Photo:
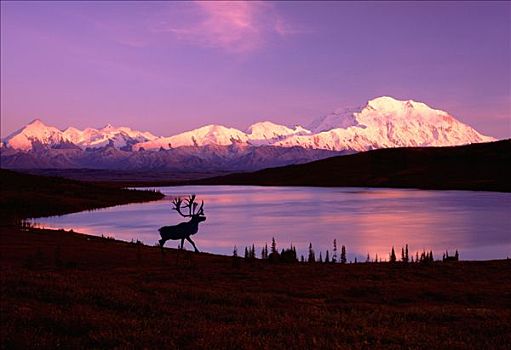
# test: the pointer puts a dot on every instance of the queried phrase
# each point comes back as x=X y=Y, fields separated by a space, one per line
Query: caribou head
x=187 y=208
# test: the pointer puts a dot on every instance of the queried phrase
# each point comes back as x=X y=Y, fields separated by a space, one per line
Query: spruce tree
x=392 y=256
x=235 y=260
x=327 y=257
x=343 y=255
x=406 y=253
x=246 y=253
x=368 y=259
x=334 y=255
x=273 y=245
x=312 y=257
x=320 y=258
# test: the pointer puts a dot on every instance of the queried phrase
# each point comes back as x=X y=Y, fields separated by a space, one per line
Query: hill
x=485 y=166
x=25 y=195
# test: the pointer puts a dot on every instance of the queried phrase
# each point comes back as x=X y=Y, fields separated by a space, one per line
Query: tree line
x=289 y=255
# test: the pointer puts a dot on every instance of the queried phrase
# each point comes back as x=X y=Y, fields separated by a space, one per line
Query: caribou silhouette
x=184 y=230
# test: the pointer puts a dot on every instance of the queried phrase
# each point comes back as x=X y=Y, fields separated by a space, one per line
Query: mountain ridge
x=383 y=122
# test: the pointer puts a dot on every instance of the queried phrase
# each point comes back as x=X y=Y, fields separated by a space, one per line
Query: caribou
x=184 y=230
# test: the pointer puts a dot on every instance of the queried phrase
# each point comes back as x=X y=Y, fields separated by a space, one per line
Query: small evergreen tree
x=343 y=255
x=457 y=255
x=312 y=257
x=392 y=258
x=235 y=260
x=406 y=253
x=368 y=259
x=273 y=245
x=327 y=257
x=334 y=255
x=246 y=253
x=320 y=258
x=302 y=259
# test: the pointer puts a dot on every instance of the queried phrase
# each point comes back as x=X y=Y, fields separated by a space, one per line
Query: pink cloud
x=236 y=27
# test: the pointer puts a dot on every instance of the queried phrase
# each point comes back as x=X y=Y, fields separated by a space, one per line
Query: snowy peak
x=341 y=118
x=36 y=132
x=206 y=135
x=262 y=133
x=387 y=122
x=267 y=130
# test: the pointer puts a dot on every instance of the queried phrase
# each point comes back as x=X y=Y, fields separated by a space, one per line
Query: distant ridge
x=485 y=166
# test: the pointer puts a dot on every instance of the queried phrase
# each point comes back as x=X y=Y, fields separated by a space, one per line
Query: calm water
x=478 y=224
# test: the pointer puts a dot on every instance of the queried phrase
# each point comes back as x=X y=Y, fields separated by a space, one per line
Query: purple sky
x=168 y=67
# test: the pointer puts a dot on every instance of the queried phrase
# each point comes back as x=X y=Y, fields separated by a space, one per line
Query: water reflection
x=365 y=220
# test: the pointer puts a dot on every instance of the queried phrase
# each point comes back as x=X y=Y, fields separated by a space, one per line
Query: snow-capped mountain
x=206 y=135
x=386 y=122
x=36 y=133
x=383 y=122
x=262 y=133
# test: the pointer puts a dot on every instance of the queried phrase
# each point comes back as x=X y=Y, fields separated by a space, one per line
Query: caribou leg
x=194 y=247
x=182 y=242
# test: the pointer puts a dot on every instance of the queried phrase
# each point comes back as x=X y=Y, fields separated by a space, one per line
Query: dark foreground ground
x=66 y=290
x=61 y=289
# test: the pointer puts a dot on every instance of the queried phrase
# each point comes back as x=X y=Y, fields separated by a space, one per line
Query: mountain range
x=383 y=122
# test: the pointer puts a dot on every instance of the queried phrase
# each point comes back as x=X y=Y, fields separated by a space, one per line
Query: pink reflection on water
x=364 y=220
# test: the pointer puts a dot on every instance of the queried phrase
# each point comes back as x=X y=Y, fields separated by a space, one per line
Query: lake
x=365 y=220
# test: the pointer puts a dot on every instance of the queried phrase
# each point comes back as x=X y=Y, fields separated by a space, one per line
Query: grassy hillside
x=473 y=167
x=24 y=195
x=60 y=289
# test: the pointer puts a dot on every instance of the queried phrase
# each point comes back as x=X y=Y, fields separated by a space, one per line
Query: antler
x=201 y=209
x=177 y=207
x=190 y=204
